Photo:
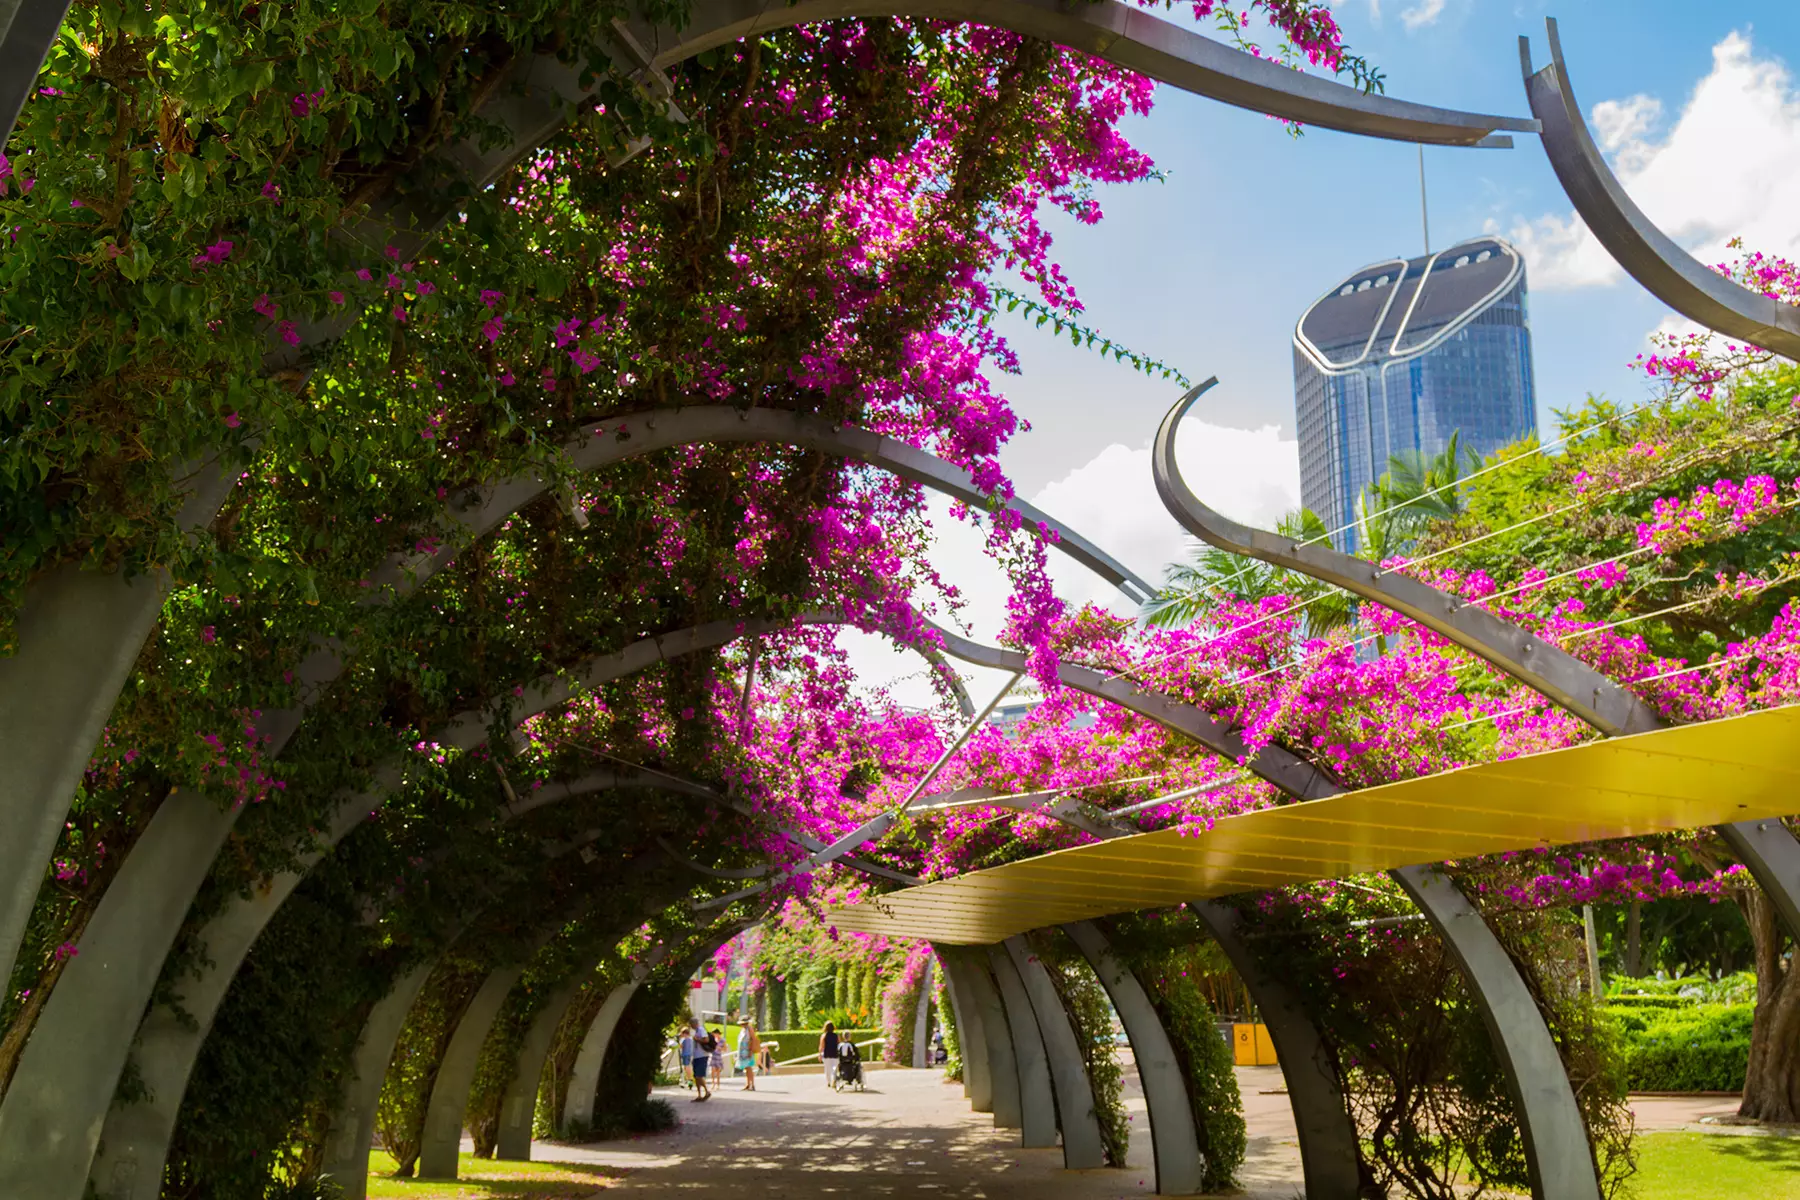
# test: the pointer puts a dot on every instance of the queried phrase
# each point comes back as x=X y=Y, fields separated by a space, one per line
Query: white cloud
x=1425 y=12
x=1728 y=167
x=1251 y=475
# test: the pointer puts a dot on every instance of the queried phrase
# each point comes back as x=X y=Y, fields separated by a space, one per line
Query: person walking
x=828 y=1051
x=716 y=1044
x=687 y=1056
x=748 y=1048
x=702 y=1049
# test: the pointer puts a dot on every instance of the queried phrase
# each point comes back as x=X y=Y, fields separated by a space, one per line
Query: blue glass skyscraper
x=1400 y=355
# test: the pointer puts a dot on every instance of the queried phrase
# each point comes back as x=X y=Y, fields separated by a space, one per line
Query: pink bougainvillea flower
x=267 y=307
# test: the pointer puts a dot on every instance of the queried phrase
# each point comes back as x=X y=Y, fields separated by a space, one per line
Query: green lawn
x=484 y=1179
x=1706 y=1166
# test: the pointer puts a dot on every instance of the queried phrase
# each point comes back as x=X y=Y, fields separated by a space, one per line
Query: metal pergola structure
x=81 y=632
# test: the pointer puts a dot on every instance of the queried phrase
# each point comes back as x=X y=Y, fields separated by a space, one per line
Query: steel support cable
x=1382 y=571
x=1768 y=849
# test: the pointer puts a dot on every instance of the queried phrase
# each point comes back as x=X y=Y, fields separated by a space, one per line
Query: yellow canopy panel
x=1737 y=769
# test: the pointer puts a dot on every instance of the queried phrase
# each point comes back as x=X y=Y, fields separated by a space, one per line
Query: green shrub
x=653 y=1116
x=803 y=1043
x=1694 y=1048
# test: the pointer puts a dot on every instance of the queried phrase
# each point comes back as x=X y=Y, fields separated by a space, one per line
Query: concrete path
x=908 y=1134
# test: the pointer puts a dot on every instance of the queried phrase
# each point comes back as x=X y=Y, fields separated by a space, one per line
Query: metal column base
x=1037 y=1107
x=1171 y=1111
x=1083 y=1149
x=456 y=1074
x=1557 y=1153
x=1327 y=1135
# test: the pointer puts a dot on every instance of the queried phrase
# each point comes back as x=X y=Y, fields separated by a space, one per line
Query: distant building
x=1008 y=716
x=1402 y=354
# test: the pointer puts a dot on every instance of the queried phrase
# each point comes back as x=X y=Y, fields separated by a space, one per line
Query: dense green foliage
x=1689 y=1048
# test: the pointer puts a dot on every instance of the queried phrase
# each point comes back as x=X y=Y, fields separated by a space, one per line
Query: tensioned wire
x=1674 y=469
x=1573 y=636
x=1690 y=670
x=1411 y=500
x=1336 y=589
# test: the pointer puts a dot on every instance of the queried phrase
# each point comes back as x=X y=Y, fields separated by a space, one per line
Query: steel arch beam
x=1321 y=1117
x=1173 y=1140
x=1557 y=674
x=121 y=951
x=921 y=1058
x=518 y=1106
x=169 y=1040
x=1557 y=1154
x=346 y=1159
x=996 y=1030
x=27 y=31
x=1037 y=1108
x=135 y=1138
x=1082 y=1148
x=1647 y=254
x=1497 y=992
x=352 y=1130
x=584 y=1076
x=456 y=1074
x=50 y=1119
x=1771 y=853
x=971 y=1034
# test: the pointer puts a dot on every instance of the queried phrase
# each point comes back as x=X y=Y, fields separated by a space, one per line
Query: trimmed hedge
x=798 y=1043
x=1693 y=1048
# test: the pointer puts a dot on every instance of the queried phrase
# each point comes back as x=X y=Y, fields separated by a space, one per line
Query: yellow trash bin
x=1251 y=1046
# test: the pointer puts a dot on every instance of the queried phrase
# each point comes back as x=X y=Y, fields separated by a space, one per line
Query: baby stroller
x=849 y=1069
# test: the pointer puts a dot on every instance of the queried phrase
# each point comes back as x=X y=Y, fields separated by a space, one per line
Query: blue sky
x=1209 y=270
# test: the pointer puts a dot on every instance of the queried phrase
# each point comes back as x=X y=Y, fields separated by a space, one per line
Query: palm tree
x=1211 y=576
x=1417 y=491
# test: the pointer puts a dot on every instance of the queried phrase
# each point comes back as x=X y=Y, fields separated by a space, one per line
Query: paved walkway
x=912 y=1134
x=908 y=1134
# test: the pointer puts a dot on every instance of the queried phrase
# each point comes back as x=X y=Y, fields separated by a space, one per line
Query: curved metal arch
x=1535 y=1075
x=1766 y=848
x=352 y=1131
x=1648 y=255
x=447 y=1107
x=169 y=1040
x=1081 y=1144
x=1037 y=1110
x=87 y=663
x=50 y=1119
x=27 y=31
x=1173 y=1141
x=1557 y=674
x=442 y=1136
x=584 y=1078
x=971 y=1037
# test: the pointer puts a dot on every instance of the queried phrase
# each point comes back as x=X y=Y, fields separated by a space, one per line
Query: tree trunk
x=1772 y=1086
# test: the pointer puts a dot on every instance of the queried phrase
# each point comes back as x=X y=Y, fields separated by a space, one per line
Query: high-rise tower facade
x=1399 y=356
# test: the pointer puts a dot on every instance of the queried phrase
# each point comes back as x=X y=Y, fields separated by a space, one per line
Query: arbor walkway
x=909 y=1133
